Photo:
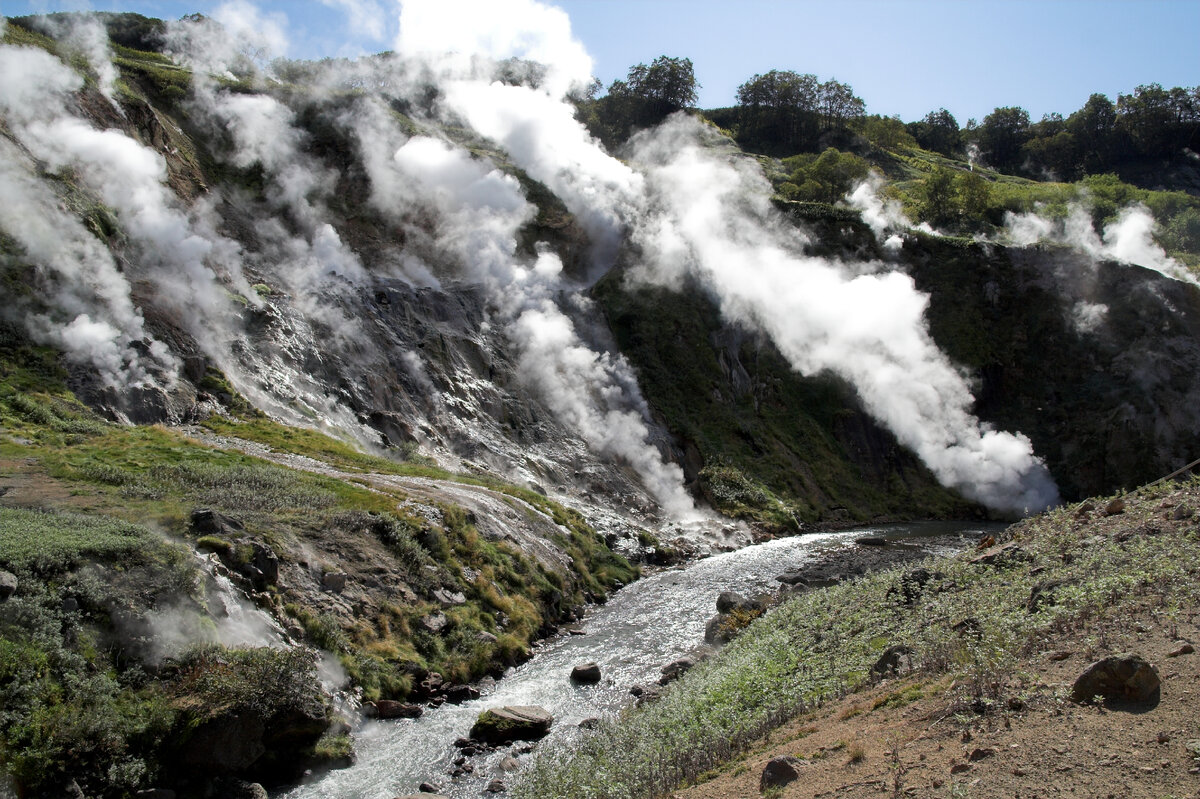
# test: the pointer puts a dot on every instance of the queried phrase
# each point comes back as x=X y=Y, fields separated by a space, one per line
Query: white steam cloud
x=713 y=221
x=1129 y=238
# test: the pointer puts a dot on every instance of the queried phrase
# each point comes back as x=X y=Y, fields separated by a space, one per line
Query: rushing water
x=643 y=627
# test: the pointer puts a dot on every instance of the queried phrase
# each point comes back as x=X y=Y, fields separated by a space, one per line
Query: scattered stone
x=8 y=585
x=1163 y=737
x=779 y=772
x=427 y=787
x=457 y=694
x=1114 y=507
x=1004 y=554
x=496 y=786
x=334 y=582
x=434 y=622
x=512 y=723
x=448 y=599
x=960 y=768
x=980 y=754
x=462 y=743
x=675 y=669
x=1123 y=677
x=1183 y=512
x=894 y=661
x=391 y=709
x=510 y=764
x=871 y=541
x=729 y=601
x=1085 y=509
x=589 y=723
x=795 y=578
x=586 y=674
x=1186 y=649
x=1061 y=655
x=576 y=631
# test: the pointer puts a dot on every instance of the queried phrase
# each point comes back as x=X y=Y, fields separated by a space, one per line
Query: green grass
x=822 y=644
x=48 y=542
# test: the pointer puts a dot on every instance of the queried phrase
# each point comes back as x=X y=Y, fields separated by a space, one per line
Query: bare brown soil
x=1039 y=747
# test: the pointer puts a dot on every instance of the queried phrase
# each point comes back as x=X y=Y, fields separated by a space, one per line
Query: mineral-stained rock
x=512 y=723
x=1123 y=677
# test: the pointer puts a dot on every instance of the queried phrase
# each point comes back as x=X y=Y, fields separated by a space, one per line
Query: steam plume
x=714 y=221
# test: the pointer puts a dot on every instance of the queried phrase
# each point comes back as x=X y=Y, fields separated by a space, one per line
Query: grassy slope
x=822 y=644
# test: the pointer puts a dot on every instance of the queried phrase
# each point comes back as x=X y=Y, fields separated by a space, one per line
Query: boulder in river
x=586 y=674
x=457 y=694
x=731 y=600
x=512 y=723
x=390 y=709
x=1122 y=677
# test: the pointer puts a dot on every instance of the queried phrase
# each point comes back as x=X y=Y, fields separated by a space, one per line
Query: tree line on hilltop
x=785 y=113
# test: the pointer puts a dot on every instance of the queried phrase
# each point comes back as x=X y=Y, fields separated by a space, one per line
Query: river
x=643 y=627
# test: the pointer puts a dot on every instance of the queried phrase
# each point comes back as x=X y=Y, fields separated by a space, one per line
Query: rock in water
x=510 y=723
x=1124 y=677
x=779 y=772
x=586 y=673
x=731 y=600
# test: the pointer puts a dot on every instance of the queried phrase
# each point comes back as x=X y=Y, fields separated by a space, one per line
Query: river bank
x=641 y=628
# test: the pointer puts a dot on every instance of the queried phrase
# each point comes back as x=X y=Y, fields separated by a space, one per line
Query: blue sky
x=904 y=57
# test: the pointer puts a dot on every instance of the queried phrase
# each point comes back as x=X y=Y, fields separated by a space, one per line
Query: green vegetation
x=823 y=643
x=776 y=448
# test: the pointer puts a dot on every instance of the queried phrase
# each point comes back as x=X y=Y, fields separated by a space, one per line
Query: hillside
x=327 y=387
x=978 y=702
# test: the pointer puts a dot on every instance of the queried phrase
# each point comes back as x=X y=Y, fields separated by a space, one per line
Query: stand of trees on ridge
x=783 y=113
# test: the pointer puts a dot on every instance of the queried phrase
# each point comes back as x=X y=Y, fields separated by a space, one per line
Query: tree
x=937 y=201
x=887 y=133
x=1002 y=134
x=1094 y=127
x=938 y=131
x=777 y=111
x=647 y=96
x=838 y=105
x=668 y=83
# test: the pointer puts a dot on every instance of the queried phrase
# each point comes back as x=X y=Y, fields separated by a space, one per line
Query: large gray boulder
x=501 y=725
x=1126 y=678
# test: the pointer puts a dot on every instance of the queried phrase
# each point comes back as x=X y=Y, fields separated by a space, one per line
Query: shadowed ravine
x=643 y=627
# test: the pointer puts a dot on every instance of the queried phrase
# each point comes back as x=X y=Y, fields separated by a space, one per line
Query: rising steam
x=1129 y=238
x=712 y=220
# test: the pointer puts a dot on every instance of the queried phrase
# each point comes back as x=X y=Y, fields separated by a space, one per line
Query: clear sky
x=903 y=57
